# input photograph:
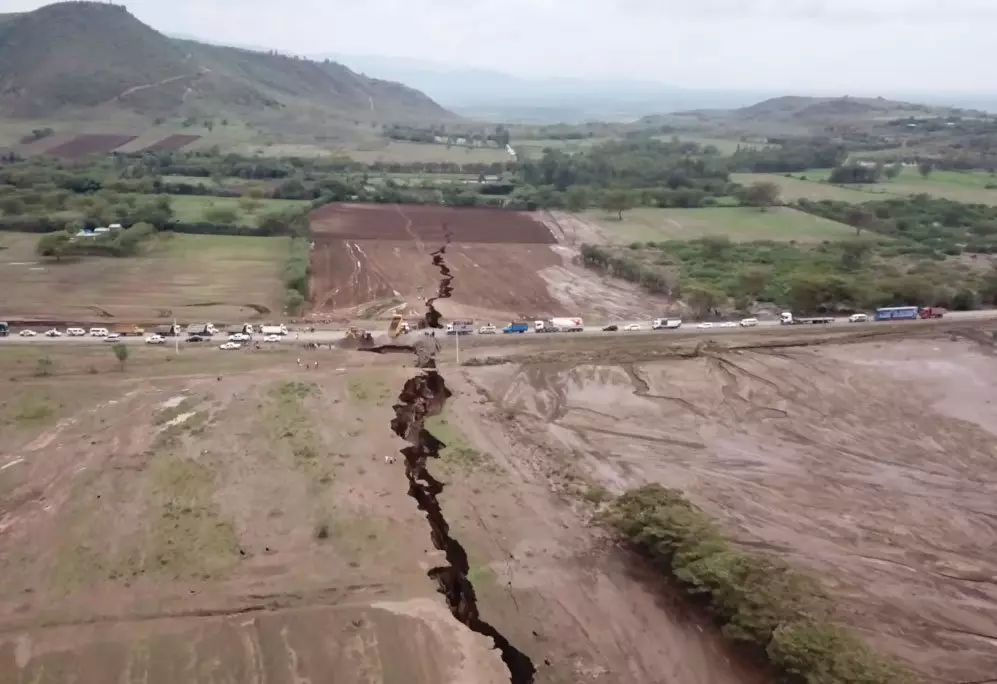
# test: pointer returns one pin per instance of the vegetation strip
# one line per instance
(758, 599)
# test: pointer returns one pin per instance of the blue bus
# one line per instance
(897, 313)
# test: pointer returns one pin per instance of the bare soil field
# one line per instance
(216, 517)
(177, 141)
(871, 464)
(90, 143)
(504, 263)
(428, 224)
(190, 277)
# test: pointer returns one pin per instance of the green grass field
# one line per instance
(960, 186)
(794, 188)
(193, 277)
(741, 224)
(191, 208)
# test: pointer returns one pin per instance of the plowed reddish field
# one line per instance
(174, 142)
(426, 223)
(90, 143)
(378, 255)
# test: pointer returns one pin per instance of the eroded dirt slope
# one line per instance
(233, 519)
(872, 464)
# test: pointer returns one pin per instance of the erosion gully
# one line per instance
(421, 397)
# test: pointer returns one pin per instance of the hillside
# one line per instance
(808, 109)
(74, 56)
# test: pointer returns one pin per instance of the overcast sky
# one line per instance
(832, 46)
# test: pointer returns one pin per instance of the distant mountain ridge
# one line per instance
(816, 109)
(78, 55)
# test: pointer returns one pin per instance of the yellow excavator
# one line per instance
(397, 326)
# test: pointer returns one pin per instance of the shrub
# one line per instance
(758, 599)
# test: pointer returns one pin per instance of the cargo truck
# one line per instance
(273, 329)
(787, 318)
(201, 330)
(460, 328)
(552, 325)
(897, 313)
(515, 328)
(666, 323)
(168, 330)
(126, 330)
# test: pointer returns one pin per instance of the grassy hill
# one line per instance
(74, 57)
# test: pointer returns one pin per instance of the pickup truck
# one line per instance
(516, 328)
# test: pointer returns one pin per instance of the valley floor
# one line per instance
(236, 519)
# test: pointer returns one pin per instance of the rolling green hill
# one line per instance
(74, 57)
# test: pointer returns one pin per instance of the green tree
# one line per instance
(702, 299)
(54, 245)
(893, 171)
(858, 217)
(925, 168)
(121, 354)
(763, 194)
(220, 215)
(577, 198)
(618, 201)
(11, 206)
(753, 280)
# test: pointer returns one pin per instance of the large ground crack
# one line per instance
(423, 396)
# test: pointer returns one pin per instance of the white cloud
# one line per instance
(858, 46)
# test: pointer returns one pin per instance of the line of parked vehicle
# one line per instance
(194, 333)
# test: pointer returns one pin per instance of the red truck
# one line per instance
(931, 312)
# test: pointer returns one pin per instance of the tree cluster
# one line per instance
(713, 274)
(938, 225)
(783, 615)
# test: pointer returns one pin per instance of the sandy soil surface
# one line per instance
(872, 464)
(232, 518)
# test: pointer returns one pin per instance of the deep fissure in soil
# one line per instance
(421, 397)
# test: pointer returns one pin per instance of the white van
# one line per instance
(76, 332)
(749, 322)
(858, 318)
(99, 332)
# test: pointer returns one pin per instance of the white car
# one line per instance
(155, 339)
(728, 324)
(749, 322)
(633, 327)
(486, 330)
(229, 346)
(27, 333)
(704, 325)
(99, 332)
(53, 333)
(76, 332)
(858, 318)
(238, 337)
(112, 337)
(272, 338)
